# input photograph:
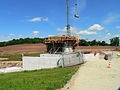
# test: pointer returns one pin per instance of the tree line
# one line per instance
(113, 42)
(22, 41)
(92, 43)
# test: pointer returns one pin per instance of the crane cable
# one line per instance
(76, 9)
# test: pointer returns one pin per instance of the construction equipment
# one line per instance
(76, 10)
(64, 43)
(61, 42)
(68, 17)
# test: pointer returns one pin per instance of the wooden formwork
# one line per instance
(57, 43)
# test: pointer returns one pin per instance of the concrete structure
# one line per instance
(32, 63)
(70, 59)
(52, 60)
(10, 69)
(91, 56)
(61, 43)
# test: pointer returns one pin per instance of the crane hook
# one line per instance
(76, 11)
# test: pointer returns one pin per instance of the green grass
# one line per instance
(11, 56)
(17, 56)
(35, 54)
(46, 79)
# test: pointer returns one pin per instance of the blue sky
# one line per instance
(99, 19)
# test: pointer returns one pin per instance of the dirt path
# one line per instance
(94, 75)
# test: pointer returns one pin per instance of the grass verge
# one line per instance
(18, 56)
(11, 56)
(46, 79)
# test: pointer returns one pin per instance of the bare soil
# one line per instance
(97, 48)
(5, 64)
(23, 48)
(4, 58)
(42, 48)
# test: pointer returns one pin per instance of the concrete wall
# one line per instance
(50, 55)
(72, 59)
(90, 57)
(31, 63)
(51, 61)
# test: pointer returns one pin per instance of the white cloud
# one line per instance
(38, 19)
(20, 36)
(91, 30)
(4, 38)
(86, 32)
(35, 33)
(95, 27)
(50, 35)
(116, 36)
(108, 36)
(10, 37)
(11, 34)
(117, 26)
(111, 18)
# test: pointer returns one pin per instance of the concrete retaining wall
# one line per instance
(51, 61)
(73, 59)
(50, 55)
(31, 63)
(91, 57)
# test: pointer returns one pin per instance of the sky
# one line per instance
(99, 19)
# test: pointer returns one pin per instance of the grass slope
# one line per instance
(11, 56)
(46, 79)
(18, 56)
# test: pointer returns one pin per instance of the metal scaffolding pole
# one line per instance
(68, 18)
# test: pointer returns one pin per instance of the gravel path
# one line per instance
(94, 75)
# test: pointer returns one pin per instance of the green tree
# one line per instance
(103, 43)
(83, 43)
(93, 43)
(115, 41)
(22, 41)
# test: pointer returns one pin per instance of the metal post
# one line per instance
(68, 18)
(62, 60)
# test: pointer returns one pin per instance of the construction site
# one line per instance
(99, 66)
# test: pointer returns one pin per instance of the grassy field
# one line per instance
(17, 56)
(46, 79)
(11, 56)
